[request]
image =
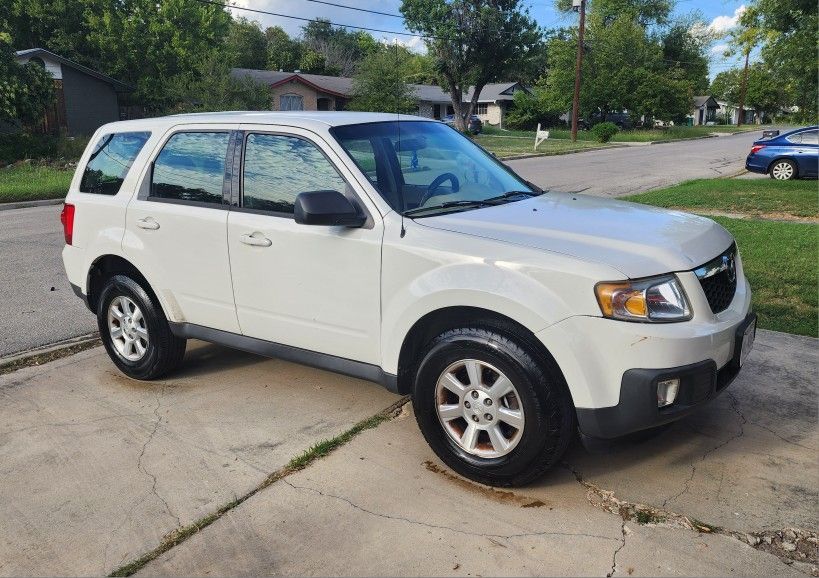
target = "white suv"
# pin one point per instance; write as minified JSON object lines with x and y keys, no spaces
{"x":395,"y":250}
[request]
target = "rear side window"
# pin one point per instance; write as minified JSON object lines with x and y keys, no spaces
{"x":191,"y":167}
{"x":810,"y":137}
{"x":277,"y":168}
{"x":110,"y":162}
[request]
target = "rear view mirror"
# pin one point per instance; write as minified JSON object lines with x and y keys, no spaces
{"x":328,"y":208}
{"x":411,"y":144}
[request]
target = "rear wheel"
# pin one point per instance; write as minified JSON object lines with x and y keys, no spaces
{"x":489,"y":410}
{"x":783,"y":170}
{"x":135,"y":332}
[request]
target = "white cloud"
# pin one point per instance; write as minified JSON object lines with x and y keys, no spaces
{"x":719,"y":49}
{"x":722,"y":24}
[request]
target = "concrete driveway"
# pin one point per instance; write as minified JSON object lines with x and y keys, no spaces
{"x":38,"y":307}
{"x":96,"y":469}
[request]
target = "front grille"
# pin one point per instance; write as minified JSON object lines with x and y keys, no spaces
{"x":718,"y":278}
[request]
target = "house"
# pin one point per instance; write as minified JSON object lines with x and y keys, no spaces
{"x":300,"y":91}
{"x":704,"y":110}
{"x":85,"y":99}
{"x":730,"y":112}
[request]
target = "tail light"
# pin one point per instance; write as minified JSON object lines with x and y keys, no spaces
{"x":67,"y":219}
{"x":756,"y":148}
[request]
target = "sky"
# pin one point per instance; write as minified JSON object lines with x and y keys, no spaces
{"x":719,"y":15}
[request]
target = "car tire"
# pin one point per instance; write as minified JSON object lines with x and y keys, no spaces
{"x":538,"y":394}
{"x":135,"y":332}
{"x":783,"y":170}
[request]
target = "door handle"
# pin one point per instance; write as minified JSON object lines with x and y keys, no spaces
{"x":147,"y":223}
{"x":255,"y":240}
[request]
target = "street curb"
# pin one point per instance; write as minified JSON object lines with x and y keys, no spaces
{"x":49,"y":352}
{"x":538,"y":155}
{"x":28,"y":204}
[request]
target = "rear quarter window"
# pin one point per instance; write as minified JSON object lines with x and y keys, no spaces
{"x":110,"y":162}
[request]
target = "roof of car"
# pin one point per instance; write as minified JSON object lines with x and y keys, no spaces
{"x":306,"y":119}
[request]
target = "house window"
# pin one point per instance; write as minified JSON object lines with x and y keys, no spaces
{"x":483,"y":108}
{"x":291,"y":102}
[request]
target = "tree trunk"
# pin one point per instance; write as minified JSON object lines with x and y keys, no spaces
{"x":456,"y":94}
{"x":743,"y":89}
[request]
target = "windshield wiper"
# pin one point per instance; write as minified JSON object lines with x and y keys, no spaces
{"x":511,"y":195}
{"x":448,"y":205}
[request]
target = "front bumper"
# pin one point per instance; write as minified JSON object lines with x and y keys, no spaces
{"x":637,"y":409}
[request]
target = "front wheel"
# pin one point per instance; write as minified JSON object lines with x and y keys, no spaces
{"x":783,"y":170}
{"x":135,"y":332}
{"x":489,"y":410}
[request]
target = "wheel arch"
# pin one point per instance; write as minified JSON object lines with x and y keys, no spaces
{"x":783,"y":158}
{"x":104,"y":267}
{"x":436,"y":322}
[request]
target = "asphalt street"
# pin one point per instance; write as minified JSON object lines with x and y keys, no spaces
{"x":38,"y":307}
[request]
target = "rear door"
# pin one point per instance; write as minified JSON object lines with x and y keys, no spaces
{"x":807,"y":153}
{"x":307,"y":286}
{"x":176,"y":226}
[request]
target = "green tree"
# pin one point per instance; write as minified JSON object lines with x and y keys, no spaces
{"x":787,"y":32}
{"x":686,"y":50}
{"x":380,"y":84}
{"x":283,"y":53}
{"x":764,"y":93}
{"x":646,"y":12}
{"x":340,"y":49}
{"x":26,"y":91}
{"x":473,"y":43}
{"x":57,"y":25}
{"x":148,"y":43}
{"x":246,"y":45}
{"x":210,"y":87}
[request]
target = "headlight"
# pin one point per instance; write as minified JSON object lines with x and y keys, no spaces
{"x":658,"y":299}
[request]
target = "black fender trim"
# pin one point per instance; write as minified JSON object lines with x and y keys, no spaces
{"x":344,"y":366}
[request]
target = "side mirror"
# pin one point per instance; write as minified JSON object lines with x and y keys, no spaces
{"x":328,"y":208}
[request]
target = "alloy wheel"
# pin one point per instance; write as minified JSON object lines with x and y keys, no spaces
{"x":127,"y":328}
{"x":479,"y":408}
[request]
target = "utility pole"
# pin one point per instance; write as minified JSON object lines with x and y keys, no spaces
{"x":581,"y":5}
{"x":743,"y":89}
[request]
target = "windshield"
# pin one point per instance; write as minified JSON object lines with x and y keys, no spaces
{"x":426,"y":168}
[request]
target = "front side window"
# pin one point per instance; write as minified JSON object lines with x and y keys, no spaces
{"x":422,"y":168}
{"x":110,"y":162}
{"x":191,"y":167}
{"x":277,"y":168}
{"x":291,"y":102}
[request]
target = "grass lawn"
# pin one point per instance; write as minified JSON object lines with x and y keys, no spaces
{"x":31,"y":182}
{"x":752,"y":196}
{"x":511,"y":146}
{"x":779,"y":258}
{"x":674,"y":133}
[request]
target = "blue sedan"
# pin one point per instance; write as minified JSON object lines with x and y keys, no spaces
{"x":791,"y":155}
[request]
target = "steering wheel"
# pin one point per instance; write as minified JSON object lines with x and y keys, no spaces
{"x":432,"y":189}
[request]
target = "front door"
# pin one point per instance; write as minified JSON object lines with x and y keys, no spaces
{"x":312,"y":287}
{"x":176,"y":228}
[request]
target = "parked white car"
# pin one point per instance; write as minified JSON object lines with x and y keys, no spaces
{"x":402,"y":253}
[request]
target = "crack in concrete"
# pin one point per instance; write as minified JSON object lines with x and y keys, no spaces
{"x":141,"y":467}
{"x":765,"y":541}
{"x":622,"y":545}
{"x":687,"y":483}
{"x":437,"y":526}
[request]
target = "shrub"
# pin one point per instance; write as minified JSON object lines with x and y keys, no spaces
{"x":604,"y":131}
{"x":41,"y":147}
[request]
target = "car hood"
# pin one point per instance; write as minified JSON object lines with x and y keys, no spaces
{"x":637,"y":240}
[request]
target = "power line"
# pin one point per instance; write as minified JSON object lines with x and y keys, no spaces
{"x":356,"y":8}
{"x":302,"y":19}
